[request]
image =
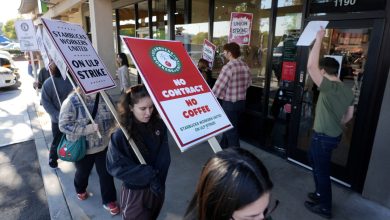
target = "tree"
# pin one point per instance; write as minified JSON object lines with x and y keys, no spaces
{"x":9,"y":29}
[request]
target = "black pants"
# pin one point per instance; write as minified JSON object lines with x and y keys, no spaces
{"x":233,"y":111}
{"x":83,"y":170}
{"x":55,"y":130}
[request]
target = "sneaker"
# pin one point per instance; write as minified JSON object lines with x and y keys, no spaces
{"x":318,"y":209}
{"x":314,"y":197}
{"x":112,"y":207}
{"x":82,"y":196}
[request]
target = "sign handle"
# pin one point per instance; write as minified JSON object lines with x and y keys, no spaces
{"x":214,"y":144}
{"x":33,"y":69}
{"x":129,"y":139}
{"x":82,"y":102}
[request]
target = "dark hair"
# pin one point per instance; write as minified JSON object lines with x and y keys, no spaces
{"x":124,"y":59}
{"x":230,"y":180}
{"x":126,"y":118}
{"x":233,"y":48}
{"x":330,"y":65}
{"x":203,"y":62}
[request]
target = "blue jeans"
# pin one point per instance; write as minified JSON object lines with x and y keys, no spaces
{"x":320,"y":154}
{"x":233,"y":111}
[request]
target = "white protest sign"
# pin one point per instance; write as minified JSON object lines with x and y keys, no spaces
{"x":208,"y":52}
{"x":25,"y":31}
{"x":54,"y":54}
{"x":309,"y":34}
{"x":79,"y":55}
{"x":41,"y":47}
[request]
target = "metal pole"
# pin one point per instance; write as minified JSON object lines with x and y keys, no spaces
{"x":129,"y":139}
{"x":33,"y":69}
{"x":83,"y":103}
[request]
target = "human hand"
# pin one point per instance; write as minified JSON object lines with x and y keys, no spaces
{"x":91,"y":128}
{"x":156,"y":188}
{"x":320,"y":34}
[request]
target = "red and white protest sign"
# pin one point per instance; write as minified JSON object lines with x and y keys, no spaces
{"x":240,"y":28}
{"x":180,"y":94}
{"x":80,"y":57}
{"x":208,"y":52}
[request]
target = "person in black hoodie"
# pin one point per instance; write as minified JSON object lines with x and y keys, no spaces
{"x":143,"y":187}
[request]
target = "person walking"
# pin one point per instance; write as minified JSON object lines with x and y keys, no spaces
{"x":73,"y":122}
{"x":333,"y":110}
{"x":52,"y":105}
{"x":123,"y":71}
{"x":230,"y":88}
{"x":233,"y":185}
{"x":143,"y":188}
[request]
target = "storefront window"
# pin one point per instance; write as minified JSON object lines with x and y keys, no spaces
{"x":191,"y":26}
{"x":253,"y":54}
{"x":159,"y":20}
{"x":143,"y":20}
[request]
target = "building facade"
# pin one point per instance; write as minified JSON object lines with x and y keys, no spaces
{"x":280,"y":103}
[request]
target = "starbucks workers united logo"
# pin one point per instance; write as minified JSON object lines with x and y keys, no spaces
{"x":165,"y":59}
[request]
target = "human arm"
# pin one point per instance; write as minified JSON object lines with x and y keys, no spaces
{"x":313,"y":62}
{"x":220,"y":86}
{"x":68,"y":121}
{"x":48,"y":100}
{"x":347,"y":115}
{"x":121,"y":164}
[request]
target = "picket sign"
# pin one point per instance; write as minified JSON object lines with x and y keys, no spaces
{"x":181,"y":95}
{"x":25,"y":32}
{"x":96,"y":84}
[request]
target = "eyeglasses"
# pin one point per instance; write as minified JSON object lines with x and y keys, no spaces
{"x":268,"y":211}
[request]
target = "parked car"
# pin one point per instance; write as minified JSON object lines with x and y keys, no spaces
{"x":13,"y":48}
{"x":6,"y":61}
{"x":7,"y":77}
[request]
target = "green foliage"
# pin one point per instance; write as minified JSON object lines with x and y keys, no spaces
{"x":199,"y":38}
{"x":9,"y":29}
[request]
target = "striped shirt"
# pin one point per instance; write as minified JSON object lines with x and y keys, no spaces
{"x":233,"y":81}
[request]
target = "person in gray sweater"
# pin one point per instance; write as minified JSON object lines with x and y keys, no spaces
{"x":51,"y":104}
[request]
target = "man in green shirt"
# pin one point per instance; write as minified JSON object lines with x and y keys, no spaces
{"x":334,"y":108}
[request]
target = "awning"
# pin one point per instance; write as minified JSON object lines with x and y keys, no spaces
{"x":27,"y":6}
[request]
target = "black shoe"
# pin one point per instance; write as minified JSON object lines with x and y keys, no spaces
{"x":314,"y":197}
{"x":317,"y":209}
{"x":53,"y":163}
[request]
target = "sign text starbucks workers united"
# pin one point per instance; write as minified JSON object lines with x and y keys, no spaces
{"x":82,"y":59}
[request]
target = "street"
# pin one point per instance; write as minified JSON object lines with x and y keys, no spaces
{"x":22,"y":193}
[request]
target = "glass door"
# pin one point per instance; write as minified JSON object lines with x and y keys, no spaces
{"x":353,"y":44}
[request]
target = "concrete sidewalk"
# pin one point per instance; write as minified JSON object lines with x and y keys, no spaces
{"x":291,"y":184}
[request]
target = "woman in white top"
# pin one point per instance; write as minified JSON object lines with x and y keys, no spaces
{"x":123,"y":71}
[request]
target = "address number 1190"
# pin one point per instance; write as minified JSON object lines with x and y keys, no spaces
{"x":341,"y":3}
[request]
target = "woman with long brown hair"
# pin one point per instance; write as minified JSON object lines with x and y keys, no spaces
{"x":143,"y":187}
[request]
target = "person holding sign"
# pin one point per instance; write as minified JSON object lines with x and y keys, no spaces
{"x":54,"y":92}
{"x":74,"y":122}
{"x":233,"y":185}
{"x":123,"y":71}
{"x":333,"y":110}
{"x":230,"y":88}
{"x":143,"y":187}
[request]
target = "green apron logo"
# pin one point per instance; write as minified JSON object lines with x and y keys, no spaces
{"x":166,"y":59}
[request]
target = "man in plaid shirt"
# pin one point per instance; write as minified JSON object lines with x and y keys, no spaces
{"x":230,"y":88}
